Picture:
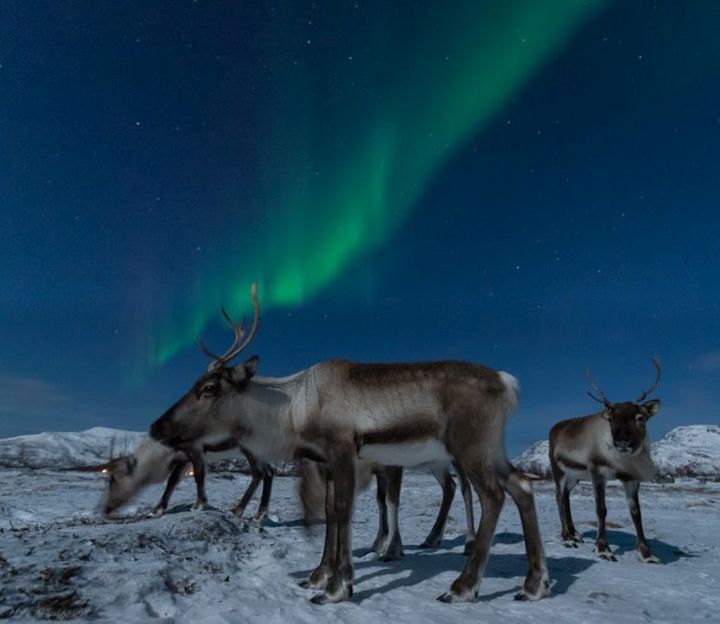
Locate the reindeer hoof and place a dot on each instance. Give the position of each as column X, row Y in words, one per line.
column 157, row 512
column 343, row 590
column 199, row 507
column 466, row 595
column 572, row 541
column 648, row 558
column 535, row 589
column 238, row 511
column 606, row 554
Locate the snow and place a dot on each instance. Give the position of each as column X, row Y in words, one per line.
column 60, row 559
column 690, row 451
column 67, row 450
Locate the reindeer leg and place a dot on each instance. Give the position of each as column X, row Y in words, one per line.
column 198, row 463
column 392, row 547
column 631, row 493
column 537, row 581
column 255, row 476
column 381, row 497
column 319, row 577
column 601, row 542
column 563, row 487
column 311, row 491
column 339, row 586
column 172, row 482
column 262, row 511
column 468, row 498
column 444, row 478
column 465, row 587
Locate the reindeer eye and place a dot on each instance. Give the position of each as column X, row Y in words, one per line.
column 210, row 388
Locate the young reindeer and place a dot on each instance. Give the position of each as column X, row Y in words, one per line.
column 611, row 444
column 351, row 415
column 154, row 462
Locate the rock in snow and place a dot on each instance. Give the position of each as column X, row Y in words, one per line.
column 692, row 451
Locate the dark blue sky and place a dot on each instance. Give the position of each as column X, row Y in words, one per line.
column 576, row 227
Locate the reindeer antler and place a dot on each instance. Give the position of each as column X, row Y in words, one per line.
column 647, row 393
column 237, row 346
column 602, row 398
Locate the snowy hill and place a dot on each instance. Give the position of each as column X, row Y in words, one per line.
column 691, row 451
column 66, row 450
column 81, row 449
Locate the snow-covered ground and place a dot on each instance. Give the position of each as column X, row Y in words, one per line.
column 60, row 559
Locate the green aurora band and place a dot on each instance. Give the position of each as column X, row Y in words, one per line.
column 354, row 147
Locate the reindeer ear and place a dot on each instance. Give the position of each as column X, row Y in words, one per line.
column 650, row 408
column 251, row 365
column 607, row 413
column 243, row 372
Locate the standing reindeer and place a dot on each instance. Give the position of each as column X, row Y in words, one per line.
column 153, row 462
column 354, row 415
column 611, row 444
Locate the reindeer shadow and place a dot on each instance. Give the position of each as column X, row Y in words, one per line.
column 424, row 564
column 623, row 542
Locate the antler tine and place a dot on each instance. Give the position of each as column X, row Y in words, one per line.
column 219, row 360
column 255, row 325
column 603, row 399
column 647, row 393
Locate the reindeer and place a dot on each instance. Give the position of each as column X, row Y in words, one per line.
column 351, row 415
column 154, row 462
column 611, row 444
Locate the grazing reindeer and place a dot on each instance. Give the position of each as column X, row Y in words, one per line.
column 153, row 462
column 352, row 415
column 612, row 444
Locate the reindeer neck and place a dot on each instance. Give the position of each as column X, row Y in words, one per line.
column 266, row 410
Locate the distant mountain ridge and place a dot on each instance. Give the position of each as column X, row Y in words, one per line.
column 67, row 450
column 692, row 451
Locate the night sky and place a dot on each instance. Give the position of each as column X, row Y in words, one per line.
column 529, row 185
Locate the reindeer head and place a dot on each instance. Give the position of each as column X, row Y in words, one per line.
column 200, row 414
column 123, row 483
column 627, row 420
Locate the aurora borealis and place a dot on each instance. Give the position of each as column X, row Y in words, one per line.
column 351, row 173
column 530, row 185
